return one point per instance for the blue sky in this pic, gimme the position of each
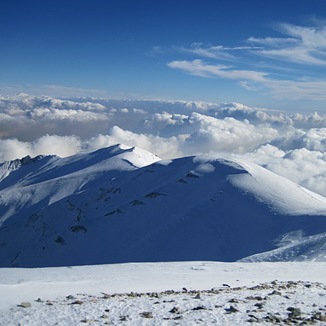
(261, 53)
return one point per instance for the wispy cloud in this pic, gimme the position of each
(52, 90)
(303, 45)
(200, 68)
(294, 57)
(256, 80)
(211, 51)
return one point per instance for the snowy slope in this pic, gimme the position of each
(294, 247)
(184, 293)
(42, 181)
(104, 207)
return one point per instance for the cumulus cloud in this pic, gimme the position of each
(11, 149)
(293, 146)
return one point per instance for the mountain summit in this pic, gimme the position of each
(122, 204)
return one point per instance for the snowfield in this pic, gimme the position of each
(181, 293)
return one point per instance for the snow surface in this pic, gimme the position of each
(122, 204)
(92, 288)
(281, 193)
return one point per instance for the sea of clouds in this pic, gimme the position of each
(289, 145)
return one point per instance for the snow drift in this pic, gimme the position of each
(122, 204)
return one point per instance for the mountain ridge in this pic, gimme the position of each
(122, 204)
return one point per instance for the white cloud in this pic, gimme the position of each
(291, 145)
(11, 149)
(306, 45)
(200, 68)
(162, 147)
(286, 60)
(256, 80)
(213, 51)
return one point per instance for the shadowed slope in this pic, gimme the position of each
(192, 208)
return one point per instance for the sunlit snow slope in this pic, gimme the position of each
(122, 204)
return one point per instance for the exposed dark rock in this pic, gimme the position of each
(154, 194)
(78, 228)
(233, 301)
(192, 174)
(199, 308)
(294, 312)
(197, 296)
(146, 314)
(60, 240)
(123, 318)
(259, 305)
(137, 202)
(175, 310)
(275, 292)
(78, 302)
(70, 297)
(88, 321)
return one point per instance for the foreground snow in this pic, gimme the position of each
(236, 293)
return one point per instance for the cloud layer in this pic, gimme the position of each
(291, 145)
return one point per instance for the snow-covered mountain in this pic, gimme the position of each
(122, 204)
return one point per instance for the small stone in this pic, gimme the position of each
(252, 319)
(70, 297)
(322, 318)
(25, 305)
(77, 302)
(231, 310)
(233, 301)
(146, 314)
(106, 296)
(154, 295)
(199, 308)
(275, 293)
(272, 318)
(197, 296)
(259, 305)
(175, 310)
(294, 312)
(38, 300)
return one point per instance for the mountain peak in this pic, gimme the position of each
(122, 204)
